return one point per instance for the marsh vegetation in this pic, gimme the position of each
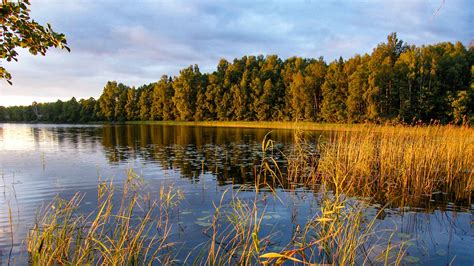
(355, 179)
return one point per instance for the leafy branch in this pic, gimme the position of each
(19, 30)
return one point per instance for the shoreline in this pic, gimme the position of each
(307, 126)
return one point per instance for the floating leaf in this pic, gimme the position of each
(441, 252)
(204, 218)
(203, 224)
(412, 259)
(403, 235)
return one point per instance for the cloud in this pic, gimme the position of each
(137, 41)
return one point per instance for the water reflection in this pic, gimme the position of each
(230, 154)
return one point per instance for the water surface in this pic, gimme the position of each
(40, 161)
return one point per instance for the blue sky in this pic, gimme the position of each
(137, 41)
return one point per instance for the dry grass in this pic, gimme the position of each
(403, 163)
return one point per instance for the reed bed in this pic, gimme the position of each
(234, 234)
(133, 232)
(403, 163)
(342, 233)
(309, 126)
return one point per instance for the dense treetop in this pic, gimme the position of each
(397, 82)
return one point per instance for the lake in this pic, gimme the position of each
(41, 161)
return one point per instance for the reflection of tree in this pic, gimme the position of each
(64, 137)
(230, 154)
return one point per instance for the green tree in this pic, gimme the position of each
(71, 111)
(223, 97)
(162, 107)
(463, 106)
(212, 96)
(314, 80)
(256, 88)
(265, 103)
(201, 112)
(357, 88)
(3, 114)
(112, 101)
(131, 109)
(297, 96)
(145, 98)
(88, 110)
(120, 102)
(185, 92)
(407, 77)
(334, 89)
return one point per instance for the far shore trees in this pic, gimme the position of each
(396, 83)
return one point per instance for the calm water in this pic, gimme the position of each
(38, 162)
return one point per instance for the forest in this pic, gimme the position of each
(396, 83)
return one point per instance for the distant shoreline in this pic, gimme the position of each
(256, 124)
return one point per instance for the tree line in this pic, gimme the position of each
(397, 83)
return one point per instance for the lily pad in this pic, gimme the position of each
(278, 248)
(403, 236)
(441, 252)
(204, 218)
(412, 259)
(203, 224)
